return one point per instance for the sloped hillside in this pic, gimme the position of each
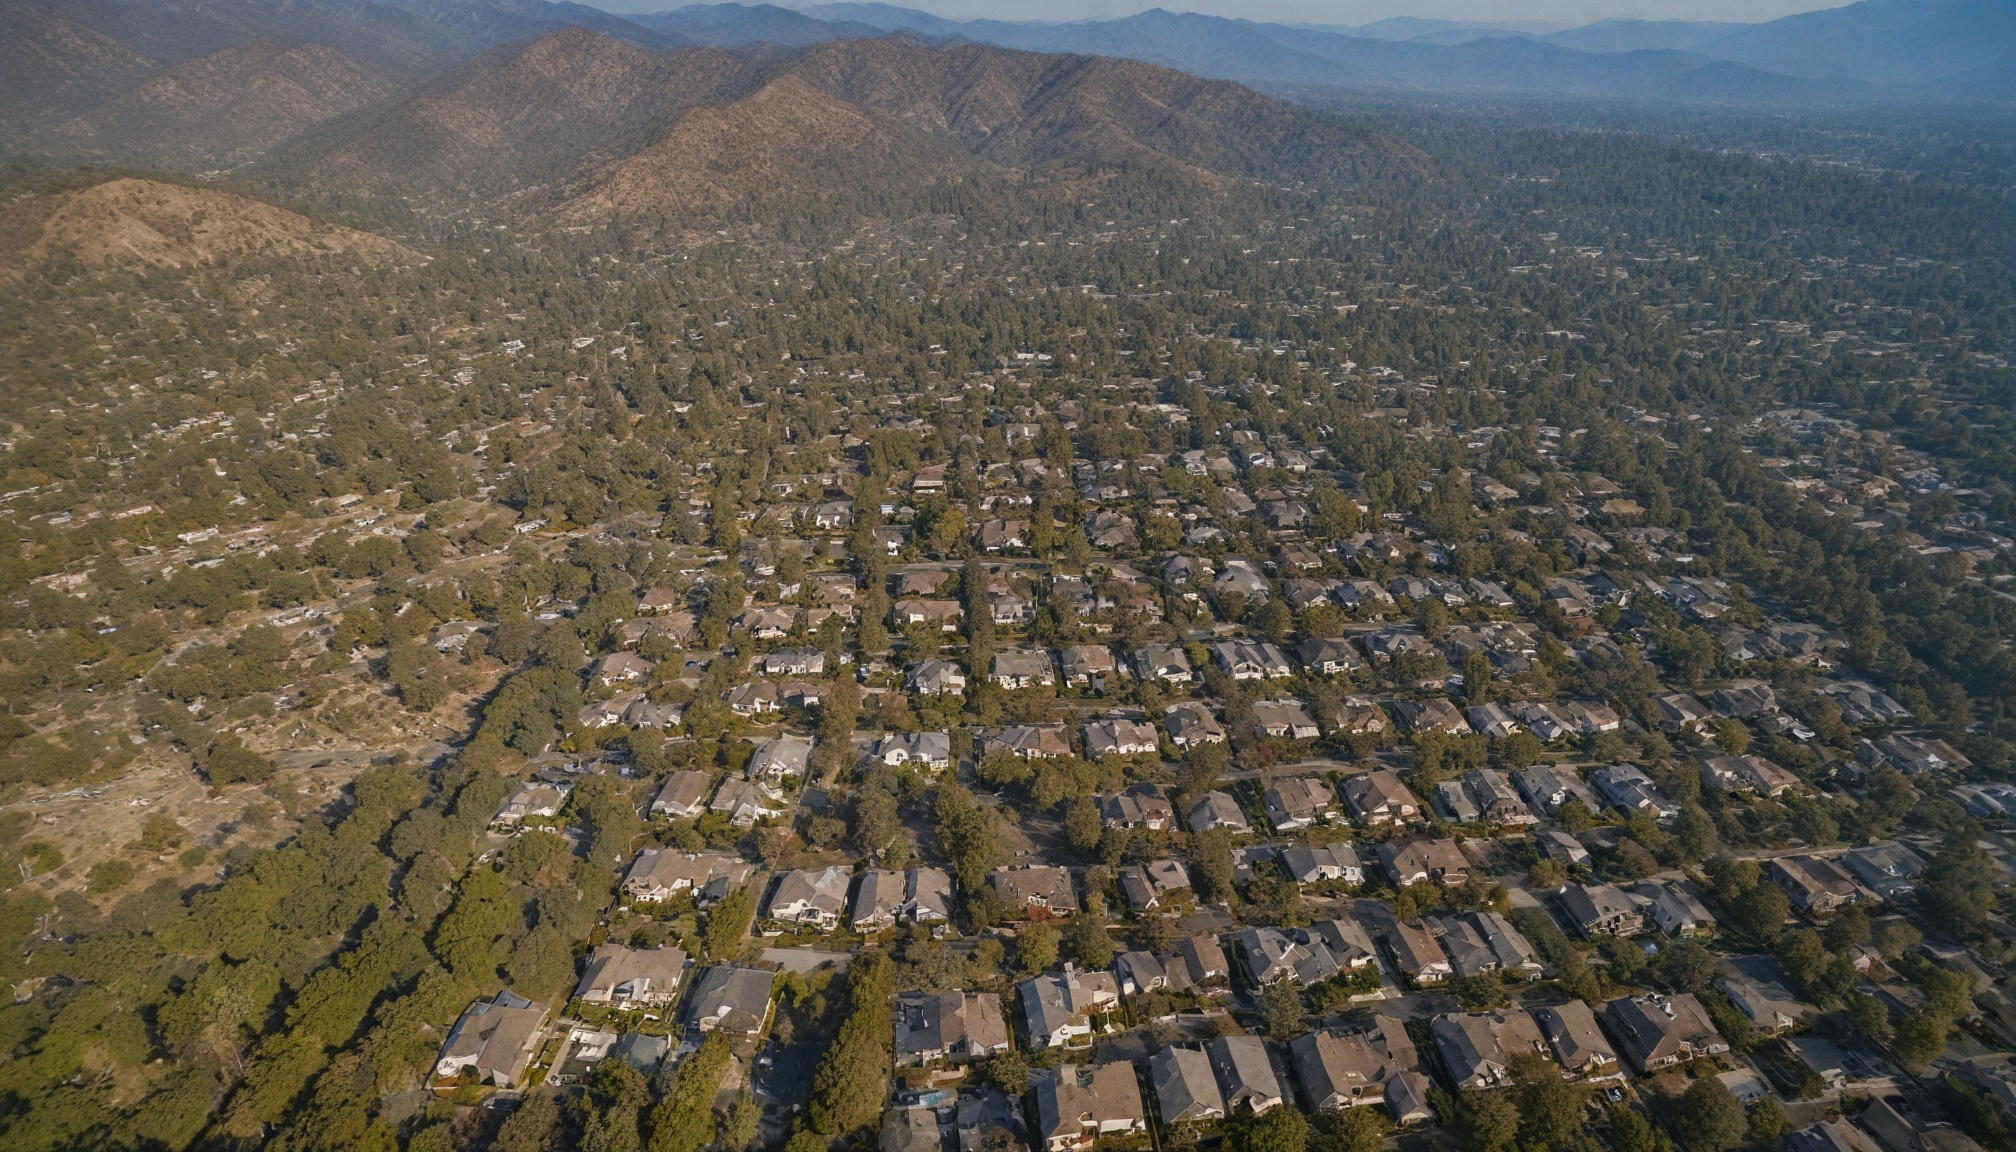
(227, 106)
(788, 140)
(517, 114)
(146, 222)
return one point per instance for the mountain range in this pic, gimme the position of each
(567, 110)
(1916, 50)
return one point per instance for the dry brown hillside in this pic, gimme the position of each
(228, 105)
(133, 221)
(788, 140)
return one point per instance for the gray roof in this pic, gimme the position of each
(1185, 1088)
(1272, 954)
(734, 999)
(1217, 810)
(1245, 1074)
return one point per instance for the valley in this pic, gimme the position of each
(726, 579)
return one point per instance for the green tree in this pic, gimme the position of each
(851, 1082)
(1487, 1122)
(969, 836)
(1631, 1131)
(1275, 1130)
(742, 1124)
(1090, 944)
(1082, 825)
(609, 1111)
(727, 923)
(1211, 871)
(1550, 1109)
(683, 1118)
(1281, 1007)
(1919, 1039)
(1870, 1016)
(1760, 913)
(1036, 948)
(1685, 966)
(1708, 1117)
(1768, 1123)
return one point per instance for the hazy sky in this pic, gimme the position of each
(1567, 12)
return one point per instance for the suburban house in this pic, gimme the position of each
(684, 795)
(1306, 865)
(937, 678)
(1246, 1079)
(494, 1039)
(1477, 1047)
(1271, 954)
(1035, 888)
(1674, 904)
(882, 899)
(1032, 741)
(1284, 719)
(794, 662)
(1347, 941)
(1418, 861)
(1057, 1010)
(1149, 884)
(1484, 941)
(1192, 964)
(1660, 1031)
(1746, 774)
(1497, 802)
(1087, 666)
(1216, 809)
(776, 759)
(1378, 797)
(1625, 787)
(532, 800)
(941, 614)
(1297, 802)
(804, 897)
(1433, 715)
(659, 874)
(1119, 737)
(1548, 786)
(755, 699)
(1889, 869)
(1328, 657)
(1910, 755)
(1250, 659)
(1416, 953)
(1078, 1103)
(1559, 845)
(1186, 1090)
(1353, 715)
(1814, 884)
(631, 977)
(1579, 1045)
(1601, 910)
(931, 751)
(730, 999)
(1138, 806)
(1757, 986)
(1678, 711)
(747, 801)
(623, 668)
(1015, 670)
(1167, 663)
(1191, 723)
(950, 1026)
(1350, 1069)
(1491, 719)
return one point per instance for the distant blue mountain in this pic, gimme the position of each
(1907, 50)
